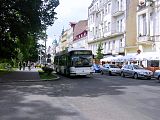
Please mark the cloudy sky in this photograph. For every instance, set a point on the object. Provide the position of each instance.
(67, 11)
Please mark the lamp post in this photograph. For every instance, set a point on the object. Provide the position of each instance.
(45, 40)
(41, 54)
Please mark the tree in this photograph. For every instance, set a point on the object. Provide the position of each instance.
(99, 52)
(23, 22)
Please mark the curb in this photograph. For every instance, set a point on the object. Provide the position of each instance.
(40, 80)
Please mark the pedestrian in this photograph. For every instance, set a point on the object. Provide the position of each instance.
(20, 65)
(29, 65)
(24, 65)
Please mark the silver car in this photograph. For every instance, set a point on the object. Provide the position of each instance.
(110, 69)
(135, 71)
(157, 75)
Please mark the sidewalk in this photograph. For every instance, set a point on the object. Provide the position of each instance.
(22, 76)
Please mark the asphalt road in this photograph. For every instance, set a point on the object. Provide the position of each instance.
(101, 97)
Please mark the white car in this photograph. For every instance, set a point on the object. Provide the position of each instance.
(157, 75)
(110, 69)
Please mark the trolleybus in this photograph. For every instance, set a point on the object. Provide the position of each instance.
(73, 62)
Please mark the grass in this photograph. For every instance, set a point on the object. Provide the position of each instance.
(3, 72)
(45, 76)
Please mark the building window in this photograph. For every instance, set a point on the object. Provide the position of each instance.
(109, 26)
(102, 31)
(118, 5)
(121, 43)
(121, 25)
(109, 45)
(105, 47)
(113, 44)
(102, 13)
(105, 26)
(121, 5)
(93, 31)
(109, 7)
(142, 25)
(117, 26)
(106, 10)
(96, 31)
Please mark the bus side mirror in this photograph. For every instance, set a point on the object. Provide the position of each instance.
(93, 56)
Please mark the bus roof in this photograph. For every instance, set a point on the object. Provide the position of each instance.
(71, 49)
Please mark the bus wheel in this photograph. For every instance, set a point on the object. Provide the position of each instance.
(56, 70)
(67, 73)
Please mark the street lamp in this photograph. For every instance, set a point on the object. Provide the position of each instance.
(45, 40)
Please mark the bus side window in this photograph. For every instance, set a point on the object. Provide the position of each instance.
(68, 60)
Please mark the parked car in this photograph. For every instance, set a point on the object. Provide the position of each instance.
(110, 69)
(135, 71)
(157, 75)
(96, 68)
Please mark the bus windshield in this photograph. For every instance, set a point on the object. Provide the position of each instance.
(81, 60)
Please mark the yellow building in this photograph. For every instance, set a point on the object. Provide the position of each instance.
(63, 40)
(131, 29)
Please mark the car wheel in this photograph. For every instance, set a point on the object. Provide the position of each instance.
(135, 76)
(158, 79)
(110, 73)
(102, 73)
(122, 74)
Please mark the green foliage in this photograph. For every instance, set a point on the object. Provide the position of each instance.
(99, 52)
(45, 76)
(14, 63)
(47, 70)
(5, 66)
(22, 24)
(20, 56)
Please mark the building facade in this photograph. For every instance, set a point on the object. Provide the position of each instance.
(70, 34)
(80, 35)
(63, 40)
(148, 26)
(107, 25)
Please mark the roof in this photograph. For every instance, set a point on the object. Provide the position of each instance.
(80, 27)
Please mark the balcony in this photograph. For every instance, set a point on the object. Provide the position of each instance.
(118, 12)
(145, 5)
(119, 50)
(145, 39)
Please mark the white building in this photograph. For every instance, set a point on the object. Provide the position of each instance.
(106, 24)
(148, 26)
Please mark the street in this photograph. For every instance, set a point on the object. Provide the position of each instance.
(100, 97)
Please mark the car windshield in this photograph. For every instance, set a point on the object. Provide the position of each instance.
(83, 60)
(137, 67)
(113, 66)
